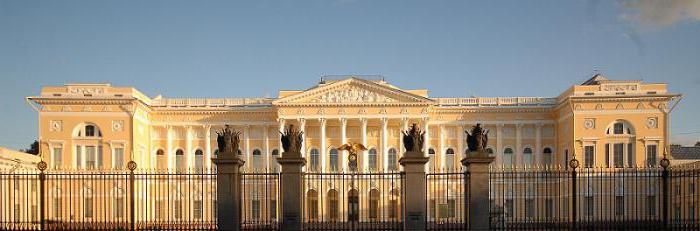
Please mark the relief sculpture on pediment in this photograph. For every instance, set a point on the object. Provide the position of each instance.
(352, 95)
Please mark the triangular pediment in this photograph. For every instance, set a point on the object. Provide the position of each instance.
(353, 91)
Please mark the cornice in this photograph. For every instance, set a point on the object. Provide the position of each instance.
(490, 110)
(93, 101)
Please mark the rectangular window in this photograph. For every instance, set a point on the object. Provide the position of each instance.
(651, 155)
(590, 206)
(34, 212)
(90, 131)
(630, 155)
(17, 213)
(100, 157)
(57, 208)
(530, 208)
(619, 206)
(118, 158)
(119, 207)
(57, 157)
(90, 158)
(334, 163)
(607, 155)
(619, 128)
(88, 207)
(451, 208)
(78, 156)
(618, 154)
(159, 209)
(178, 209)
(508, 207)
(273, 209)
(432, 208)
(548, 208)
(449, 162)
(373, 209)
(198, 209)
(651, 206)
(589, 152)
(372, 162)
(255, 209)
(691, 212)
(393, 209)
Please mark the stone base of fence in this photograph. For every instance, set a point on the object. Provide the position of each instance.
(292, 190)
(414, 168)
(478, 190)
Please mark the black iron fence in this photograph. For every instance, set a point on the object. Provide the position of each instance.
(591, 198)
(446, 201)
(260, 197)
(353, 201)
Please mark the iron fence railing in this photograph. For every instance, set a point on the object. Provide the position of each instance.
(260, 201)
(446, 201)
(353, 201)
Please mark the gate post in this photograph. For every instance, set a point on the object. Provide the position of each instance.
(42, 194)
(415, 190)
(477, 164)
(291, 190)
(228, 190)
(666, 210)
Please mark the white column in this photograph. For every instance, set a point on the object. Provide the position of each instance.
(302, 127)
(404, 126)
(385, 153)
(246, 148)
(441, 161)
(169, 152)
(189, 154)
(426, 143)
(324, 154)
(538, 145)
(343, 140)
(365, 156)
(460, 142)
(207, 146)
(518, 142)
(266, 152)
(279, 141)
(499, 144)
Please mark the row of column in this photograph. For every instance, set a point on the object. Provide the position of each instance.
(383, 152)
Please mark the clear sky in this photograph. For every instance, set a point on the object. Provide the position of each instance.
(254, 48)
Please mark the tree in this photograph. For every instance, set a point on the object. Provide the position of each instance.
(697, 144)
(33, 148)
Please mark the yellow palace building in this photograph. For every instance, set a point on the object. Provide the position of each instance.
(606, 123)
(97, 127)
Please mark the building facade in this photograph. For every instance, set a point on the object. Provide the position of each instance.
(605, 123)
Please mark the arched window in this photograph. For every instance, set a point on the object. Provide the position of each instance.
(393, 161)
(372, 159)
(314, 163)
(87, 130)
(274, 166)
(312, 205)
(373, 204)
(449, 159)
(333, 160)
(199, 160)
(527, 157)
(332, 204)
(353, 205)
(508, 158)
(180, 160)
(394, 209)
(257, 159)
(620, 127)
(161, 160)
(431, 159)
(547, 156)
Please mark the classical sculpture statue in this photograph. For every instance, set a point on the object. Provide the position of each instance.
(291, 139)
(478, 139)
(227, 140)
(413, 139)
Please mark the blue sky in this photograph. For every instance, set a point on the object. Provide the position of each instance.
(254, 48)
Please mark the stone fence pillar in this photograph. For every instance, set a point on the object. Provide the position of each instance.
(291, 190)
(228, 191)
(415, 190)
(477, 208)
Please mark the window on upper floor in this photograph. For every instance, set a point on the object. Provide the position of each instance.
(87, 130)
(620, 127)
